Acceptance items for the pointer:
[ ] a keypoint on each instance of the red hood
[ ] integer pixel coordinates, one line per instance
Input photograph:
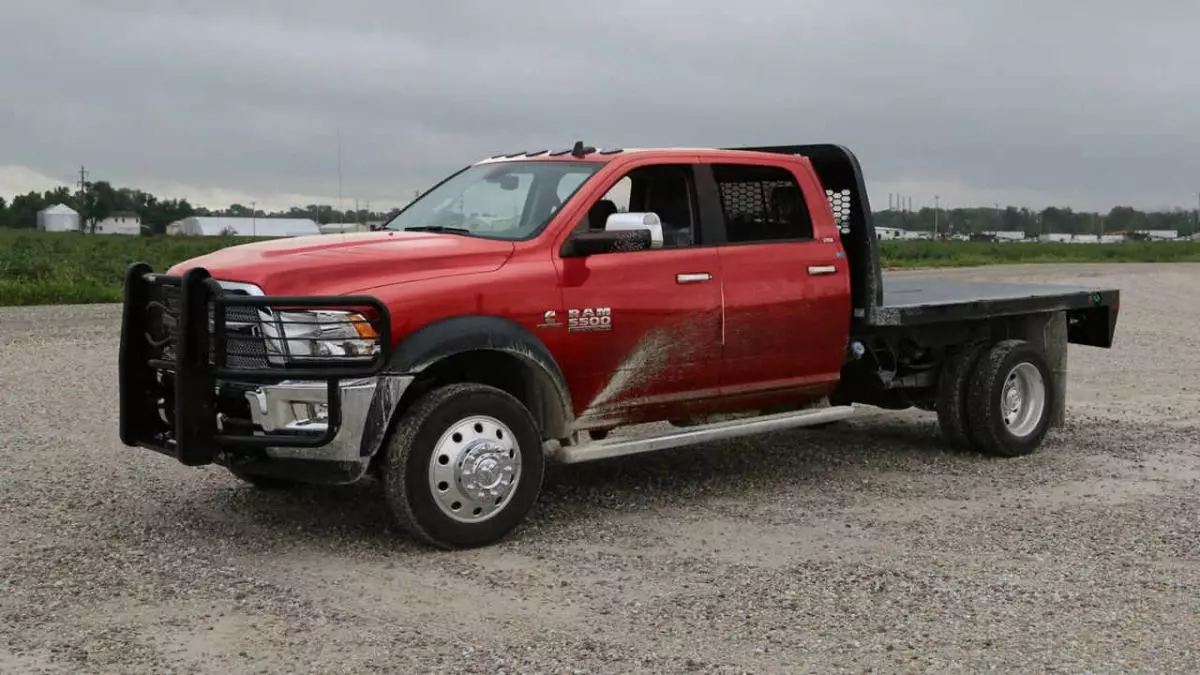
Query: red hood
(337, 264)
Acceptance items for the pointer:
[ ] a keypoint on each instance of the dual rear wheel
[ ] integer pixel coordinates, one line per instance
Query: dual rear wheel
(996, 398)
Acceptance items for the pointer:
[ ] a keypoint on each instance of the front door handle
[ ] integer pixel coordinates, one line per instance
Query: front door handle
(821, 269)
(693, 278)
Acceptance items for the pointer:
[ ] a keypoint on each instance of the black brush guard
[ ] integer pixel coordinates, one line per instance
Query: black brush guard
(184, 337)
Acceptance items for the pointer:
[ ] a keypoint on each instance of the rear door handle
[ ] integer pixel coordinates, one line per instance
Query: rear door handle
(693, 278)
(816, 270)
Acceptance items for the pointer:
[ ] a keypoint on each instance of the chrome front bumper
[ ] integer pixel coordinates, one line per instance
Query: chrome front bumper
(302, 407)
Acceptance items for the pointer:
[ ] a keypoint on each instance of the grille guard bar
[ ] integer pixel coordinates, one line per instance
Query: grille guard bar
(172, 360)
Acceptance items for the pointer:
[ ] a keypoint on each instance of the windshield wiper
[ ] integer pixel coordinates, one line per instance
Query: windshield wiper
(437, 228)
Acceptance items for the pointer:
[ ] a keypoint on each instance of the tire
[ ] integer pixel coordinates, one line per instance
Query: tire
(1008, 424)
(263, 482)
(953, 386)
(457, 427)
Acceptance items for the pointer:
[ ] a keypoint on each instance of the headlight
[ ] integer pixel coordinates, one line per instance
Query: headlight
(320, 335)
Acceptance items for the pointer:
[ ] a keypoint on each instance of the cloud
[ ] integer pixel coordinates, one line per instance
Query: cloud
(977, 102)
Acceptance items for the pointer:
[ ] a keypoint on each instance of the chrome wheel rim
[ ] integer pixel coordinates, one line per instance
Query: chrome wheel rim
(474, 469)
(1023, 399)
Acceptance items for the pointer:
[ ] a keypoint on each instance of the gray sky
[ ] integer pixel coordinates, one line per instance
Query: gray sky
(1085, 104)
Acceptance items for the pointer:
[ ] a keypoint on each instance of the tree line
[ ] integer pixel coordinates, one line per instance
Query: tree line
(1053, 219)
(100, 199)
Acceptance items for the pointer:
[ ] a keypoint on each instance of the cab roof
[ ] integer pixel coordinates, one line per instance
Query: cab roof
(585, 153)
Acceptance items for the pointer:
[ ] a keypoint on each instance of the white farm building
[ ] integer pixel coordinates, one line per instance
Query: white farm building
(120, 222)
(213, 226)
(58, 218)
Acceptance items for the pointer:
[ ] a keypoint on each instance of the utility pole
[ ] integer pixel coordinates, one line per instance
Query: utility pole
(936, 212)
(254, 219)
(82, 199)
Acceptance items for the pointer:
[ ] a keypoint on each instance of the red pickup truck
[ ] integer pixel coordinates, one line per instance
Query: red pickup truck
(531, 303)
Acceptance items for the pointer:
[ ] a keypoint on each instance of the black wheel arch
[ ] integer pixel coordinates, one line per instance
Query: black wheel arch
(449, 349)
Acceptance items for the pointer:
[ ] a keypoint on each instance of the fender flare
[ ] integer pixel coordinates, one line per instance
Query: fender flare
(459, 335)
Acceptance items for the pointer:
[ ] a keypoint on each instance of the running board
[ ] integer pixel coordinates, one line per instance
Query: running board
(617, 447)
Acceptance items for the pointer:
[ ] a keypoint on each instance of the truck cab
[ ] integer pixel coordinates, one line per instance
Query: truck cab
(530, 304)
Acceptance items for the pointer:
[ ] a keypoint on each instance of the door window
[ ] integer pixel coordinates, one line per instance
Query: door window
(762, 203)
(668, 190)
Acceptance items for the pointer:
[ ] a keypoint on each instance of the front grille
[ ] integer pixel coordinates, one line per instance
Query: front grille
(244, 343)
(245, 347)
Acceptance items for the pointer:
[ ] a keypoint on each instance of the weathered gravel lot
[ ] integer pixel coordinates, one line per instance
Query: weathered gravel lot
(866, 548)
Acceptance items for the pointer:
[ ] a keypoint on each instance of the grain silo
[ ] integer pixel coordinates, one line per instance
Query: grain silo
(58, 218)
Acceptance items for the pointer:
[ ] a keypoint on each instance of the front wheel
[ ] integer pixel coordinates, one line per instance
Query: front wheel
(464, 466)
(1010, 399)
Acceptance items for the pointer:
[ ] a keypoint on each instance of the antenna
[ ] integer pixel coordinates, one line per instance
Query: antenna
(341, 213)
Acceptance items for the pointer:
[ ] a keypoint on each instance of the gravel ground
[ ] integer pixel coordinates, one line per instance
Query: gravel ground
(868, 548)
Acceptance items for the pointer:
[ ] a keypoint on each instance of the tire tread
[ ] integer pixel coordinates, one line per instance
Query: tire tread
(954, 385)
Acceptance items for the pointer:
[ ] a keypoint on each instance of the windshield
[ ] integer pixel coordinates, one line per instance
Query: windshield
(505, 200)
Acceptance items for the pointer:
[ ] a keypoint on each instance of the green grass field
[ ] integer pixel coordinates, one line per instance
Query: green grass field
(39, 268)
(48, 268)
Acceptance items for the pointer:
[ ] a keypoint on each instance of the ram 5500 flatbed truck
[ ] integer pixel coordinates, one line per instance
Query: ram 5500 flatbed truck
(531, 303)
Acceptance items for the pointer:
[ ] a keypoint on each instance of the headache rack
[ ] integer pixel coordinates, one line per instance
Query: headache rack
(185, 337)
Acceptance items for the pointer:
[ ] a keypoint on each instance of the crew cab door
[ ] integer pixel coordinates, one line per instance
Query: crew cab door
(642, 328)
(785, 281)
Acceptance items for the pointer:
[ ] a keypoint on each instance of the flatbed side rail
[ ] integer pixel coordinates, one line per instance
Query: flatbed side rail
(1091, 314)
(184, 337)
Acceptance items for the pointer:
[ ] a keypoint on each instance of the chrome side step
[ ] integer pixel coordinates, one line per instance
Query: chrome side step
(617, 447)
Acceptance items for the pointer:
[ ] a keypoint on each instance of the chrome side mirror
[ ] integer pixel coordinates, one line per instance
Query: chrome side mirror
(647, 221)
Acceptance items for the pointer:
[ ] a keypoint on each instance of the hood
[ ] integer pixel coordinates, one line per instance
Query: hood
(337, 264)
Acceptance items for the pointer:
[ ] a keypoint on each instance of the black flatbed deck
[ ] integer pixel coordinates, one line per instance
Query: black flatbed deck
(913, 301)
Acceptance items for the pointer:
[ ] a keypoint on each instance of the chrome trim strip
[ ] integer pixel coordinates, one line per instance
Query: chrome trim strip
(248, 289)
